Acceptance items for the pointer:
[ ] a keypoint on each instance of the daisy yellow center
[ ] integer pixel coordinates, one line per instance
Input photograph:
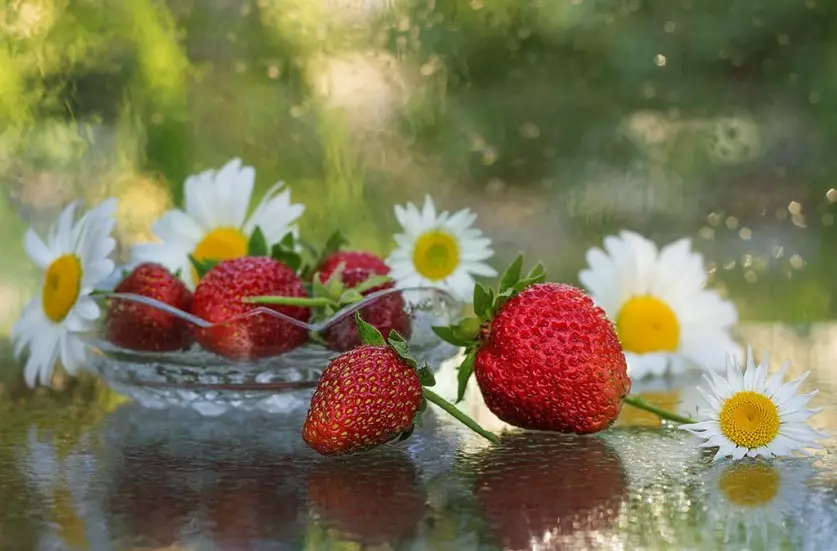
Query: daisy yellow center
(647, 324)
(221, 244)
(436, 255)
(749, 419)
(70, 527)
(753, 485)
(62, 285)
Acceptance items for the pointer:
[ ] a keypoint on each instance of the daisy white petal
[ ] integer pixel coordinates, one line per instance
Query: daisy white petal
(275, 215)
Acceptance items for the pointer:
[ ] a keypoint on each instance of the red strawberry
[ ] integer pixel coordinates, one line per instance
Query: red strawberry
(371, 395)
(386, 313)
(352, 260)
(372, 499)
(545, 356)
(555, 489)
(219, 298)
(142, 327)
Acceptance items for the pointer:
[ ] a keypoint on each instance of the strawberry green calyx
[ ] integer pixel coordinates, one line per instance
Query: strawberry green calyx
(334, 243)
(468, 333)
(329, 296)
(371, 336)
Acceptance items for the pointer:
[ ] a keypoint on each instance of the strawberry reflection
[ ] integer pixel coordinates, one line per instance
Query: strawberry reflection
(178, 478)
(149, 500)
(373, 498)
(549, 491)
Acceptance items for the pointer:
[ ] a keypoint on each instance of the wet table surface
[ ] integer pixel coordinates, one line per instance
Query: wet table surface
(84, 469)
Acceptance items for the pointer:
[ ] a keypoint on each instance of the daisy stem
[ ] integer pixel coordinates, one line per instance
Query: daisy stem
(639, 403)
(310, 302)
(434, 398)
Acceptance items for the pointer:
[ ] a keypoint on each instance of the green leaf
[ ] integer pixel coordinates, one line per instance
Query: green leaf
(333, 244)
(400, 346)
(483, 300)
(502, 298)
(178, 273)
(202, 266)
(426, 376)
(468, 329)
(464, 375)
(288, 241)
(371, 282)
(512, 274)
(367, 333)
(350, 296)
(536, 275)
(257, 246)
(286, 256)
(447, 334)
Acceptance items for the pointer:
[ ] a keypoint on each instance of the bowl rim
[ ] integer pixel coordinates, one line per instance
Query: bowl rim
(436, 293)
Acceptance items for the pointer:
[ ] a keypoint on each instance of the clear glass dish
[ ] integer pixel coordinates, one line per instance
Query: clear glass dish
(211, 384)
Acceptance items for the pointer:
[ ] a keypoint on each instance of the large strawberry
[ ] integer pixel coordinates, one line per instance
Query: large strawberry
(371, 395)
(549, 491)
(373, 499)
(343, 278)
(544, 355)
(138, 326)
(239, 331)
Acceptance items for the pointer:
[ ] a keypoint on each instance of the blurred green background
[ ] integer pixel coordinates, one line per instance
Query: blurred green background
(557, 121)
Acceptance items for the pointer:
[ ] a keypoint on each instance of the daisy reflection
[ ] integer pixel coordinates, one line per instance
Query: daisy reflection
(62, 483)
(755, 500)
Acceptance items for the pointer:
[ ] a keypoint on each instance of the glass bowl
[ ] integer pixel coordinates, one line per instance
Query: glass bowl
(265, 380)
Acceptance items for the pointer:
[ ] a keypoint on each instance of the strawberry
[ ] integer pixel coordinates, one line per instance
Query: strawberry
(372, 499)
(341, 279)
(352, 260)
(560, 490)
(544, 355)
(143, 327)
(239, 331)
(355, 270)
(371, 395)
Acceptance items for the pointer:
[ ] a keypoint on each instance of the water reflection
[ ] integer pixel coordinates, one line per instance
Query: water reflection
(372, 499)
(151, 479)
(545, 491)
(755, 500)
(63, 482)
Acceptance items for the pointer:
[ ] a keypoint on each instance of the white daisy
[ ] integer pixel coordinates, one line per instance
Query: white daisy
(441, 250)
(75, 257)
(214, 224)
(666, 319)
(756, 499)
(752, 415)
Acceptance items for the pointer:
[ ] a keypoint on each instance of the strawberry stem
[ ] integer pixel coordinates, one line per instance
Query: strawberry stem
(290, 301)
(434, 398)
(639, 403)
